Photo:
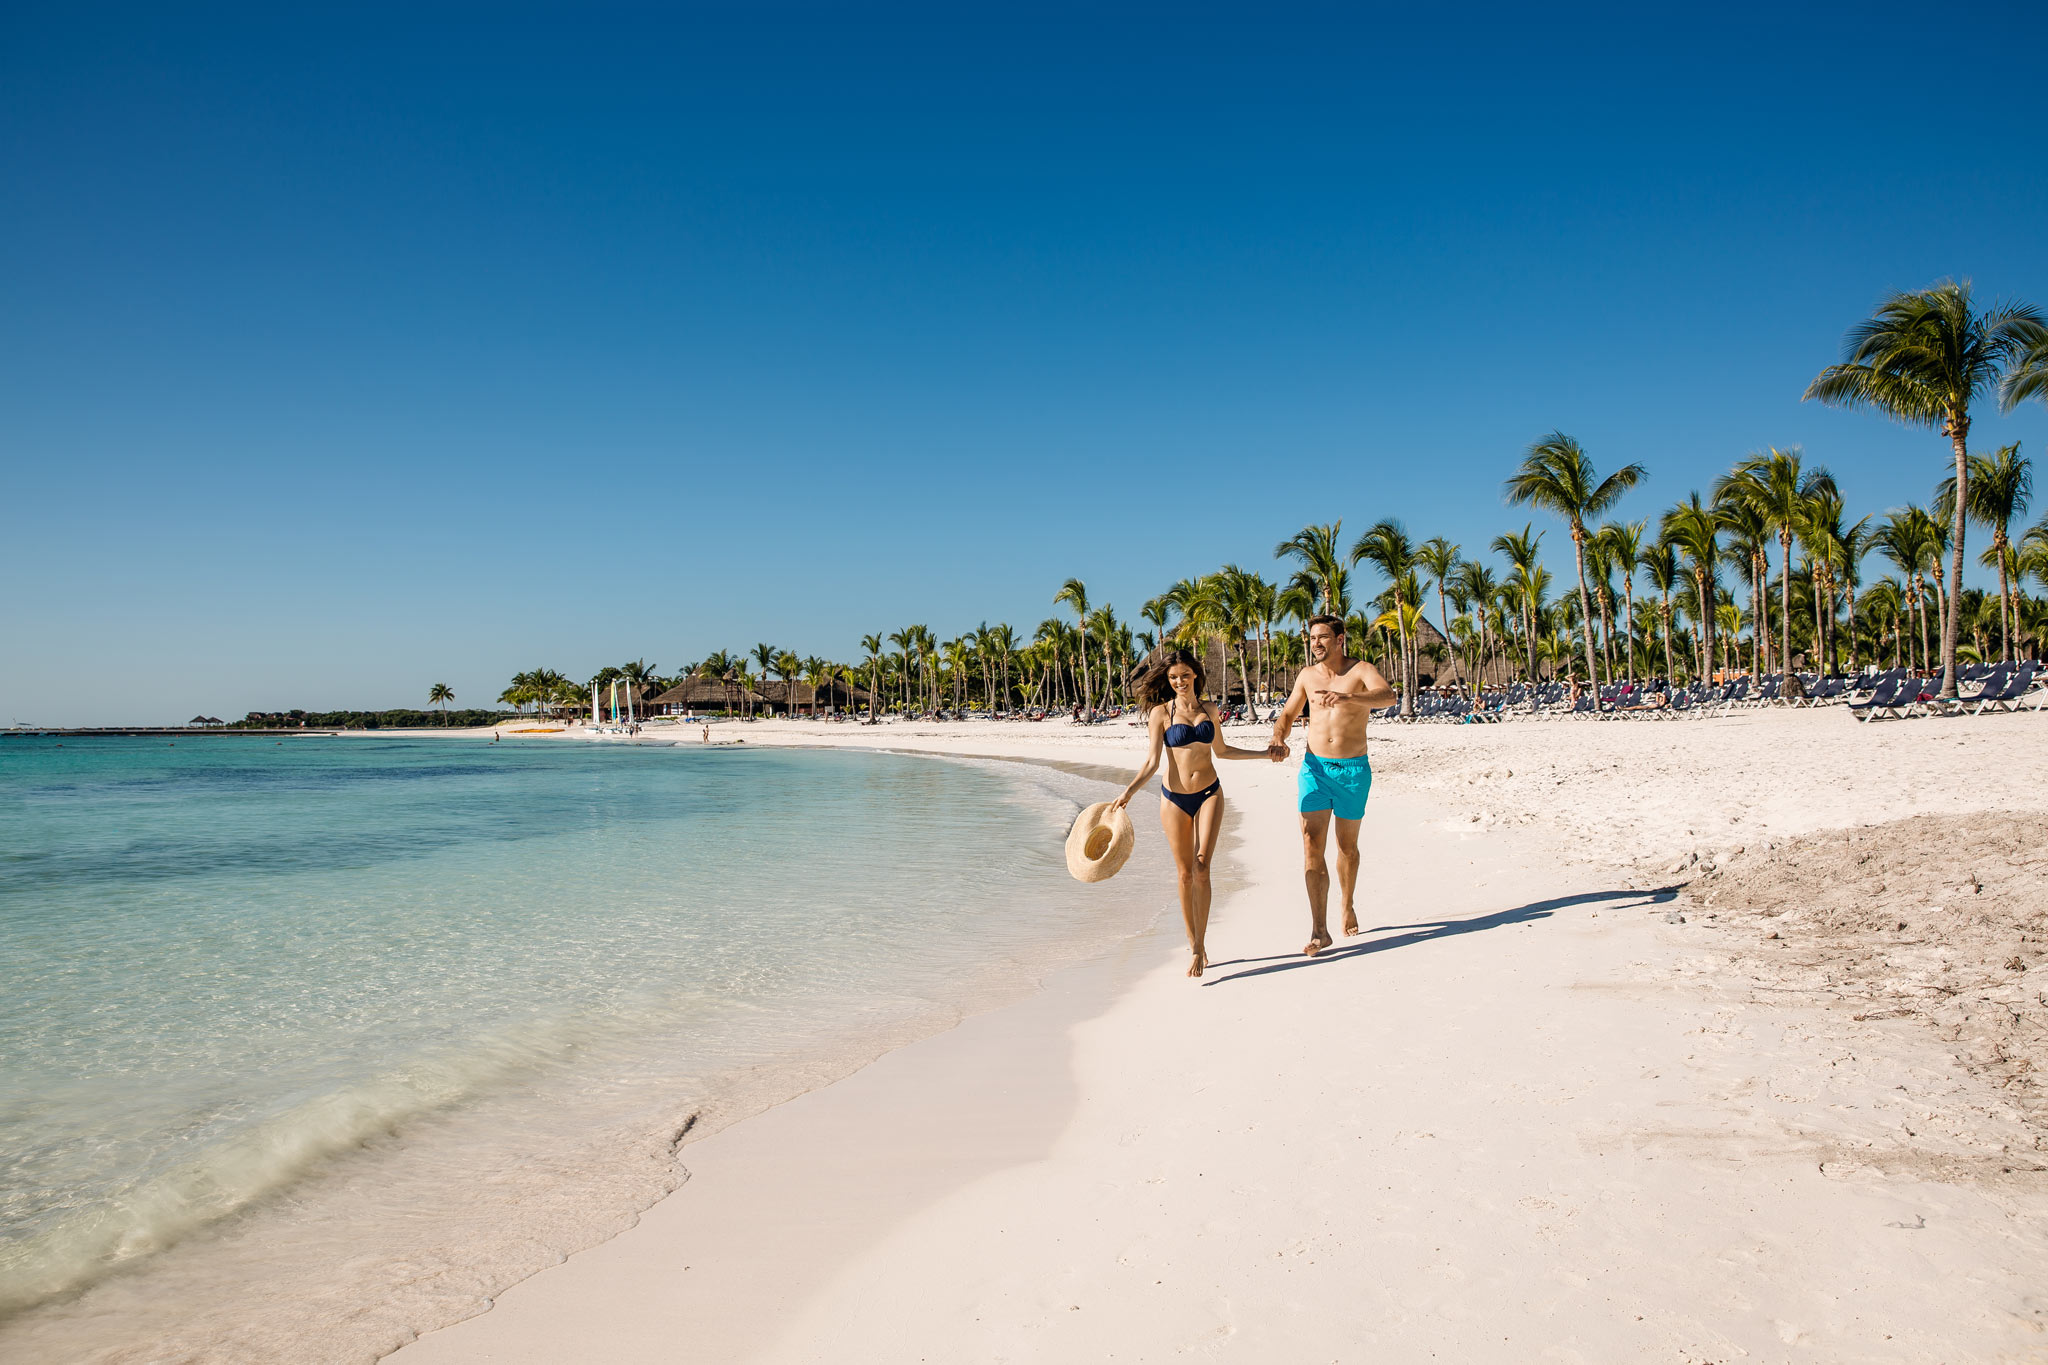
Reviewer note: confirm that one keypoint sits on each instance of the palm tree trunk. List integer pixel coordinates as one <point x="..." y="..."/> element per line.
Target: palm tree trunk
<point x="1585" y="602"/>
<point x="1629" y="612"/>
<point x="1959" y="430"/>
<point x="1706" y="641"/>
<point x="1087" y="689"/>
<point x="1785" y="604"/>
<point x="1529" y="641"/>
<point x="1664" y="615"/>
<point x="2004" y="626"/>
<point x="1926" y="644"/>
<point x="1607" y="633"/>
<point x="1853" y="642"/>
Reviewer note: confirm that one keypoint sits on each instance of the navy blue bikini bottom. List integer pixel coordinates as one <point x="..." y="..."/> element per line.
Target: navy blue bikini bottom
<point x="1190" y="802"/>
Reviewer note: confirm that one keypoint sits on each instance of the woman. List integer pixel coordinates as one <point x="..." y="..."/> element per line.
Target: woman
<point x="1191" y="797"/>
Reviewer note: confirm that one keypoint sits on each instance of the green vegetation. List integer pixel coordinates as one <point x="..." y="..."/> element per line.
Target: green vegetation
<point x="365" y="720"/>
<point x="1774" y="523"/>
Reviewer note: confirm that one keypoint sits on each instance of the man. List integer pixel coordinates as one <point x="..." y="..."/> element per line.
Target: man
<point x="1335" y="776"/>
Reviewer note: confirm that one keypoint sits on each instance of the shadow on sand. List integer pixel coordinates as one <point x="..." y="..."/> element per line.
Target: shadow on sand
<point x="1405" y="935"/>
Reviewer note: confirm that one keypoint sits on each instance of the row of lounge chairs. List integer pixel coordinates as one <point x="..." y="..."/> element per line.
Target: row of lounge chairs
<point x="1893" y="694"/>
<point x="1989" y="687"/>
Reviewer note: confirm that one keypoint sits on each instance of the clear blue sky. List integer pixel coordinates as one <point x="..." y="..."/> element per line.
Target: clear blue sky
<point x="346" y="351"/>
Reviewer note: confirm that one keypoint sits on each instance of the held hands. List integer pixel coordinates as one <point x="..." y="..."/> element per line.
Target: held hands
<point x="1277" y="751"/>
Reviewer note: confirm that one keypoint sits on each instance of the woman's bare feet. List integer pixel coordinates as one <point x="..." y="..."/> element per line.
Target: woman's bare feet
<point x="1201" y="961"/>
<point x="1317" y="943"/>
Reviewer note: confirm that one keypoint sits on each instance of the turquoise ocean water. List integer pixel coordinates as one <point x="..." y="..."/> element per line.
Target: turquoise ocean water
<point x="355" y="1031"/>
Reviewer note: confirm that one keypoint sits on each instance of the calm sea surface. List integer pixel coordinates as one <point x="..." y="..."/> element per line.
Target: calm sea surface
<point x="380" y="1025"/>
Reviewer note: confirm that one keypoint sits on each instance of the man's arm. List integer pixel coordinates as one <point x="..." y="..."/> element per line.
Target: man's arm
<point x="1374" y="693"/>
<point x="1284" y="722"/>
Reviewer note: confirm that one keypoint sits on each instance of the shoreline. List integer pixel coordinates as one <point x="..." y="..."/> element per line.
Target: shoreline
<point x="1610" y="1051"/>
<point x="797" y="1066"/>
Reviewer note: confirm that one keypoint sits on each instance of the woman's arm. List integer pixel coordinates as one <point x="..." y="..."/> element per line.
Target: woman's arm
<point x="1224" y="749"/>
<point x="1156" y="729"/>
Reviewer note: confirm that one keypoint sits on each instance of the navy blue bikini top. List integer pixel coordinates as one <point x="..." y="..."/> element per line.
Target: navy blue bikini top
<point x="1180" y="736"/>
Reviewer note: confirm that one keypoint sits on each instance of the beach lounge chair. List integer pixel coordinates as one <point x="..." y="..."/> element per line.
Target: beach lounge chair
<point x="1886" y="700"/>
<point x="1990" y="685"/>
<point x="2000" y="693"/>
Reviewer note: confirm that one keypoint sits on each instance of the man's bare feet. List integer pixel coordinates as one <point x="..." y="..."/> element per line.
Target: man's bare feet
<point x="1201" y="961"/>
<point x="1350" y="922"/>
<point x="1317" y="942"/>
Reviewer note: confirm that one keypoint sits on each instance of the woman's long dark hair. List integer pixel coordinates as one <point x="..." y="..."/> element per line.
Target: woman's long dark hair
<point x="1154" y="690"/>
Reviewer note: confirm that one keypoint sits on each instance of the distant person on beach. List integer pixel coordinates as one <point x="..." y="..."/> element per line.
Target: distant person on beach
<point x="1336" y="776"/>
<point x="1190" y="734"/>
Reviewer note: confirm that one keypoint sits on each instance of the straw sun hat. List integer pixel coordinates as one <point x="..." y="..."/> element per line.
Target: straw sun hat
<point x="1099" y="843"/>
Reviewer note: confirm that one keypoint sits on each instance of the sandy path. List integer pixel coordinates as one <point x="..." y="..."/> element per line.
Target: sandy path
<point x="1534" y="1120"/>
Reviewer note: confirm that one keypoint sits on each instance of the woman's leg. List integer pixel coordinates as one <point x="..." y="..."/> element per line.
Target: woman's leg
<point x="1208" y="824"/>
<point x="1179" y="829"/>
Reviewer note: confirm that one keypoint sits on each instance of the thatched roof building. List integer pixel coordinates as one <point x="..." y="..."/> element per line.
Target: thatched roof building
<point x="698" y="694"/>
<point x="765" y="696"/>
<point x="779" y="696"/>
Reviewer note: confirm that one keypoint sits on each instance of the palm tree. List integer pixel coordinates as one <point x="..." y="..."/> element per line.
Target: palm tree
<point x="764" y="657"/>
<point x="1774" y="485"/>
<point x="1205" y="616"/>
<point x="1158" y="610"/>
<point x="2030" y="559"/>
<point x="871" y="645"/>
<point x="1823" y="535"/>
<point x="1600" y="576"/>
<point x="2000" y="487"/>
<point x="817" y="672"/>
<point x="1047" y="639"/>
<point x="1405" y="620"/>
<point x="1857" y="543"/>
<point x="1660" y="565"/>
<point x="955" y="653"/>
<point x="1749" y="537"/>
<point x="718" y="668"/>
<point x="1439" y="559"/>
<point x="1520" y="547"/>
<point x="1003" y="639"/>
<point x="904" y="639"/>
<point x="1693" y="529"/>
<point x="1837" y="548"/>
<point x="1315" y="549"/>
<point x="2027" y="378"/>
<point x="1074" y="593"/>
<point x="1103" y="621"/>
<point x="1921" y="359"/>
<point x="1624" y="542"/>
<point x="1886" y="602"/>
<point x="1556" y="476"/>
<point x="1932" y="532"/>
<point x="928" y="655"/>
<point x="787" y="667"/>
<point x="1475" y="582"/>
<point x="1905" y="539"/>
<point x="440" y="694"/>
<point x="1242" y="603"/>
<point x="1387" y="548"/>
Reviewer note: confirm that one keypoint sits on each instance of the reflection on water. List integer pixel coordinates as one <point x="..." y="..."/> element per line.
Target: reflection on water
<point x="370" y="974"/>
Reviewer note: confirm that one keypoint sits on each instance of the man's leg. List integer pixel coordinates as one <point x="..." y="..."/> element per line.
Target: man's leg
<point x="1315" y="829"/>
<point x="1347" y="870"/>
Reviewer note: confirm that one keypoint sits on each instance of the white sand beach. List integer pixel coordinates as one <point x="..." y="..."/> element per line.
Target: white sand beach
<point x="1545" y="1107"/>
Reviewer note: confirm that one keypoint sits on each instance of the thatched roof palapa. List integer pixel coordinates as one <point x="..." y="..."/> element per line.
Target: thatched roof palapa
<point x="696" y="693"/>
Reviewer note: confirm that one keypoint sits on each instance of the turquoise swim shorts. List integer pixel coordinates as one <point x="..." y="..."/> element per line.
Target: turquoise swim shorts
<point x="1339" y="785"/>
